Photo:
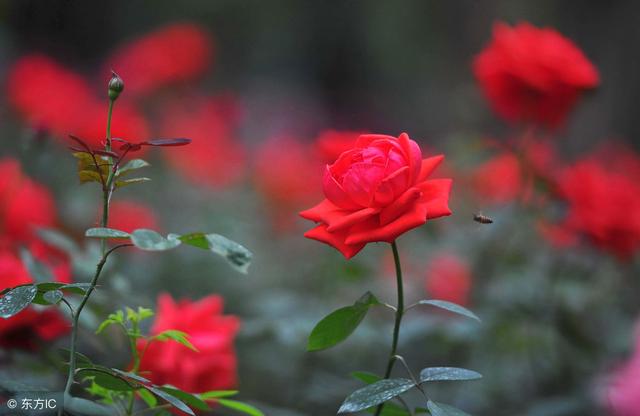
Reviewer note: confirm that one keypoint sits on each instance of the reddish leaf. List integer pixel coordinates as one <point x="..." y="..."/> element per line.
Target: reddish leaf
<point x="167" y="142"/>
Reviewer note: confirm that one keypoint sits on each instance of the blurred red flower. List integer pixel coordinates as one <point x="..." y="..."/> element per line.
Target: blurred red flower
<point x="376" y="192"/>
<point x="129" y="215"/>
<point x="330" y="144"/>
<point x="48" y="95"/>
<point x="448" y="278"/>
<point x="215" y="157"/>
<point x="532" y="74"/>
<point x="29" y="327"/>
<point x="498" y="180"/>
<point x="603" y="203"/>
<point x="622" y="392"/>
<point x="24" y="205"/>
<point x="171" y="54"/>
<point x="283" y="167"/>
<point x="213" y="366"/>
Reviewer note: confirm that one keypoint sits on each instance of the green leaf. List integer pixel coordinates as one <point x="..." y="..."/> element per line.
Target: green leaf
<point x="89" y="176"/>
<point x="132" y="181"/>
<point x="175" y="335"/>
<point x="106" y="379"/>
<point x="152" y="241"/>
<point x="216" y="394"/>
<point x="101" y="232"/>
<point x="447" y="374"/>
<point x="81" y="359"/>
<point x="52" y="296"/>
<point x="38" y="271"/>
<point x="190" y="399"/>
<point x="16" y="299"/>
<point x="338" y="325"/>
<point x="451" y="307"/>
<point x="113" y="318"/>
<point x="374" y="394"/>
<point x="241" y="407"/>
<point x="366" y="377"/>
<point x="147" y="397"/>
<point x="441" y="409"/>
<point x="132" y="165"/>
<point x="237" y="255"/>
<point x="390" y="409"/>
<point x="172" y="400"/>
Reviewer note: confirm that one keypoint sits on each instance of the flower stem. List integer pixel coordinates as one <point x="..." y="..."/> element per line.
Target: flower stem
<point x="399" y="313"/>
<point x="106" y="196"/>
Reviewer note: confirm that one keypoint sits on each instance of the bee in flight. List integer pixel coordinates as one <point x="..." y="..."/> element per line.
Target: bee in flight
<point x="482" y="219"/>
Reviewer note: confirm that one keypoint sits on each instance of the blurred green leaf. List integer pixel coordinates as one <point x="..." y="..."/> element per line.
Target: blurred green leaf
<point x="374" y="394"/>
<point x="89" y="176"/>
<point x="451" y="307"/>
<point x="101" y="232"/>
<point x="147" y="397"/>
<point x="132" y="181"/>
<point x="37" y="270"/>
<point x="447" y="374"/>
<point x="441" y="409"/>
<point x="172" y="400"/>
<point x="338" y="325"/>
<point x="237" y="255"/>
<point x="175" y="335"/>
<point x="215" y="394"/>
<point x="16" y="299"/>
<point x="366" y="377"/>
<point x="152" y="241"/>
<point x="106" y="379"/>
<point x="58" y="240"/>
<point x="240" y="407"/>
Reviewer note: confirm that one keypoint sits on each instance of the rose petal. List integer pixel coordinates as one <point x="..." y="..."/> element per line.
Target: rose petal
<point x="348" y="220"/>
<point x="371" y="231"/>
<point x="336" y="240"/>
<point x="428" y="166"/>
<point x="413" y="155"/>
<point x="335" y="193"/>
<point x="400" y="205"/>
<point x="435" y="196"/>
<point x="325" y="211"/>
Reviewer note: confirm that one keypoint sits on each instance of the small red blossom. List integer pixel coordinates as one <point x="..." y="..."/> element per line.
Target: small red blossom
<point x="174" y="53"/>
<point x="215" y="157"/>
<point x="283" y="167"/>
<point x="213" y="366"/>
<point x="499" y="179"/>
<point x="129" y="215"/>
<point x="330" y="144"/>
<point x="29" y="327"/>
<point x="532" y="74"/>
<point x="603" y="203"/>
<point x="377" y="191"/>
<point x="448" y="278"/>
<point x="24" y="205"/>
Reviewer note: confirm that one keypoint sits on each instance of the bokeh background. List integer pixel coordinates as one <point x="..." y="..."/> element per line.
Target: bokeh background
<point x="266" y="90"/>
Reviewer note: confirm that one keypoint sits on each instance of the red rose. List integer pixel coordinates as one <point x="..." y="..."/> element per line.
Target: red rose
<point x="448" y="278"/>
<point x="377" y="191"/>
<point x="215" y="157"/>
<point x="213" y="366"/>
<point x="532" y="74"/>
<point x="603" y="203"/>
<point x="171" y="54"/>
<point x="25" y="329"/>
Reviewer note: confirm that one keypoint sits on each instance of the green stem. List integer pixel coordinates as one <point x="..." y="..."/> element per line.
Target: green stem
<point x="399" y="313"/>
<point x="136" y="364"/>
<point x="106" y="196"/>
